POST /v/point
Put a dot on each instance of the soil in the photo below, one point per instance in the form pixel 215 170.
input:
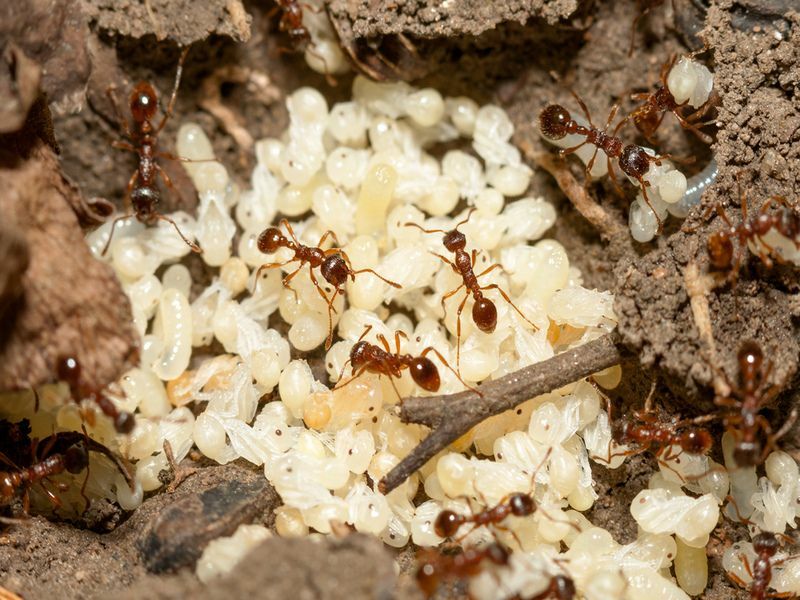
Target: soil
pixel 520 54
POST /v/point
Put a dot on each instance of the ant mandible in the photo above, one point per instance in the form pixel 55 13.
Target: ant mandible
pixel 484 312
pixel 367 357
pixel 648 116
pixel 334 264
pixel 435 568
pixel 142 191
pixel 68 370
pixel 765 545
pixel 748 397
pixel 556 122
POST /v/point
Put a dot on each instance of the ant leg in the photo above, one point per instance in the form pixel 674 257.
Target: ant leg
pixel 703 137
pixel 489 269
pixel 289 229
pixel 448 295
pixel 192 245
pixel 502 292
pixel 325 236
pixel 270 266
pixel 565 151
pixel 171 105
pixel 111 93
pixel 643 185
pixel 331 310
pixel 355 376
pixel 120 145
pixel 321 292
pixel 583 107
pixel 289 277
pixel 452 370
pixel 458 331
pixel 448 262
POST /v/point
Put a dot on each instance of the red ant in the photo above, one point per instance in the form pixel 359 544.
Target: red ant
pixel 649 115
pixel 748 398
pixel 721 252
pixel 556 122
pixel 334 264
pixel 68 370
pixel 435 568
pixel 367 357
pixel 649 431
pixel 142 190
pixel 484 312
pixel 291 23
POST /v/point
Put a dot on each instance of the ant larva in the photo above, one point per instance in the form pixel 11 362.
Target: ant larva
pixel 747 398
pixel 334 264
pixel 142 191
pixel 484 311
pixel 436 568
pixel 648 116
pixel 68 370
pixel 367 357
pixel 721 251
pixel 556 122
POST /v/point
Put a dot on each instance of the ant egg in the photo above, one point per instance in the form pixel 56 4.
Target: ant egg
pixel 425 107
pixel 691 568
pixel 369 512
pixel 144 294
pixel 493 122
pixel 608 378
pixel 743 480
pixel 564 471
pixel 582 498
pixel 374 197
pixel 489 202
pixel 463 112
pixel 294 386
pixel 317 411
pixel 269 153
pixel 442 197
pixel 690 81
pixel 478 363
pixel 289 523
pixel 143 441
pixel 209 436
pixel 510 180
pixel 308 331
pixel 294 200
pixel 346 167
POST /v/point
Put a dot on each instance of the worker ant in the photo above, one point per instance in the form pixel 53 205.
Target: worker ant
pixel 753 433
pixel 435 568
pixel 367 357
pixel 556 122
pixel 728 247
pixel 142 191
pixel 68 370
pixel 484 311
pixel 334 265
pixel 648 116
pixel 645 430
pixel 291 23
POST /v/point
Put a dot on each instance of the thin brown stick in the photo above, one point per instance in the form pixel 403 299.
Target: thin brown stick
pixel 450 416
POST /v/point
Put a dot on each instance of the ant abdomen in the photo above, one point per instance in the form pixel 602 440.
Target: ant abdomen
pixel 447 523
pixel 425 374
pixel 484 314
pixel 696 442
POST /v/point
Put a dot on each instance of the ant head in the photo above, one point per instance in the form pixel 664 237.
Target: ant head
pixel 424 373
pixel 521 505
pixel 484 314
pixel 750 358
pixel 720 250
pixel 696 441
pixel 124 422
pixel 68 369
pixel 359 354
pixel 334 269
pixel 144 102
pixel 634 161
pixel 497 553
pixel 270 240
pixel 564 587
pixel 765 543
pixel 144 200
pixel 554 122
pixel 447 523
pixel 454 240
pixel 747 453
pixel 76 458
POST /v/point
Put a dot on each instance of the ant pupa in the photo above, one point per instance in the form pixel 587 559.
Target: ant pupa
pixel 754 438
pixel 68 370
pixel 484 311
pixel 556 122
pixel 334 264
pixel 142 192
pixel 370 358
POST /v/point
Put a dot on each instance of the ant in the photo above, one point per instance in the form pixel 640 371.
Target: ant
pixel 556 122
pixel 649 431
pixel 68 370
pixel 291 23
pixel 721 252
pixel 142 190
pixel 334 264
pixel 484 312
pixel 435 568
pixel 367 357
pixel 748 397
pixel 657 104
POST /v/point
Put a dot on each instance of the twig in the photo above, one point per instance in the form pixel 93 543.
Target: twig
pixel 608 227
pixel 452 415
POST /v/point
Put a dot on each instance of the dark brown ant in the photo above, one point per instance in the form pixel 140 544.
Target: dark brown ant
pixel 648 116
pixel 484 312
pixel 556 122
pixel 728 247
pixel 367 357
pixel 436 568
pixel 753 433
pixel 142 191
pixel 765 545
pixel 68 370
pixel 334 264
